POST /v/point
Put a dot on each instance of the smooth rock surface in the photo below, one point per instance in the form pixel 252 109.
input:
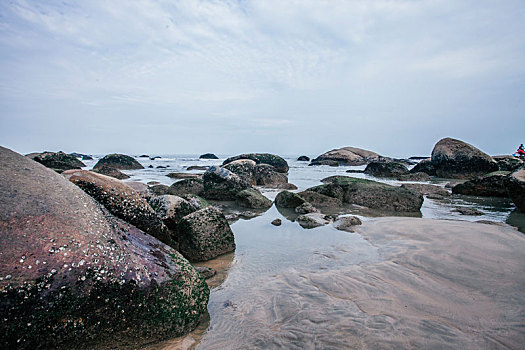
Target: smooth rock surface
pixel 348 156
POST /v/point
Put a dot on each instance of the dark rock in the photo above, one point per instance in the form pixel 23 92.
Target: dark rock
pixel 508 163
pixel 108 171
pixel 244 168
pixel 197 167
pixel 425 166
pixel 150 166
pixel 80 277
pixel 456 159
pixel 205 234
pixel 206 272
pixel 277 162
pixel 171 209
pixel 418 158
pixel 468 211
pixel 386 169
pixel 81 156
pixel 352 171
pixel 184 176
pixel 118 161
pixel 419 176
pixel 516 189
pixel 303 159
pixel 277 222
pixel 427 189
pixel 312 220
pixel 153 183
pixel 160 190
pixel 222 184
pixel 287 199
pixel 251 198
pixel 266 175
pixel 324 162
pixel 121 200
pixel 348 156
pixel 491 185
pixel 195 200
pixel 208 156
pixel 160 167
pixel 306 208
pixel 193 186
pixel 371 194
pixel 144 156
pixel 320 200
pixel 58 161
pixel 347 223
pixel 156 157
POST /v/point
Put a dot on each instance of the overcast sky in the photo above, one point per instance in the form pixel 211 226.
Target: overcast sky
pixel 287 77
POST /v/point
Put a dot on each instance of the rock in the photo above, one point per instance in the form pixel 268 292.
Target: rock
pixel 197 167
pixel 251 198
pixel 424 166
pixel 303 159
pixel 352 171
pixel 153 183
pixel 193 186
pixel 286 199
pixel 248 214
pixel 277 222
pixel 371 194
pixel 306 208
pixel 118 161
pixel 184 176
pixel 508 163
pixel 348 156
pixel 81 156
pixel 266 175
pixel 160 190
pixel 150 166
pixel 321 200
pixel 312 220
pixel 418 176
pixel 435 196
pixel 206 272
pixel 156 157
pixel 171 209
pixel 222 184
pixel 324 162
pixel 277 162
pixel 427 190
pixel 196 201
pixel 205 234
pixel 108 171
pixel 208 156
pixel 244 168
pixel 58 161
pixel 386 169
pixel 491 185
pixel 468 211
pixel 121 200
pixel 143 156
pixel 516 189
pixel 347 223
pixel 418 158
pixel 160 167
pixel 139 187
pixel 457 159
pixel 79 274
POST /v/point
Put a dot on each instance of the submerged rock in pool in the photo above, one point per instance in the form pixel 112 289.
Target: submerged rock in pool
pixel 80 277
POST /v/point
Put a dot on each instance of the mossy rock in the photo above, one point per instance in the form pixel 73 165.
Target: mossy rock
pixel 251 198
pixel 287 199
pixel 277 162
pixel 58 161
pixel 118 161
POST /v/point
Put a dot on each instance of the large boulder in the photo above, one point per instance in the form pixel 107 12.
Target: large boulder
pixel 320 200
pixel 277 162
pixel 425 166
pixel 348 156
pixel 457 159
pixel 508 163
pixel 516 189
pixel 121 200
pixel 208 156
pixel 172 208
pixel 118 161
pixel 222 184
pixel 266 176
pixel 205 234
pixel 187 186
pixel 109 171
pixel 58 161
pixel 74 276
pixel 312 220
pixel 371 194
pixel 251 198
pixel 286 199
pixel 244 168
pixel 386 169
pixel 491 185
pixel 427 189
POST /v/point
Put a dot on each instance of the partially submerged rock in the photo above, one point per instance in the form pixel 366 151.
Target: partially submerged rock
pixel 425 166
pixel 277 162
pixel 58 161
pixel 222 184
pixel 205 234
pixel 184 176
pixel 491 185
pixel 118 161
pixel 386 169
pixel 208 156
pixel 251 198
pixel 286 199
pixel 347 156
pixel 277 222
pixel 306 208
pixel 80 277
pixel 172 208
pixel 347 223
pixel 121 200
pixel 187 186
pixel 468 211
pixel 417 176
pixel 303 159
pixel 109 171
pixel 244 168
pixel 312 220
pixel 427 189
pixel 516 189
pixel 206 272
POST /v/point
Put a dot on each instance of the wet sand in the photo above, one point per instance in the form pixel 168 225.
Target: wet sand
pixel 397 283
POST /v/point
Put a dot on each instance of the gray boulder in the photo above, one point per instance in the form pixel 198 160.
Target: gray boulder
pixel 303 159
pixel 427 189
pixel 75 276
pixel 108 171
pixel 516 189
pixel 286 199
pixel 187 186
pixel 312 220
pixel 172 208
pixel 58 161
pixel 251 198
pixel 491 185
pixel 205 234
pixel 118 161
pixel 222 184
pixel 244 168
pixel 306 208
pixel 347 223
pixel 265 175
pixel 386 169
pixel 425 166
pixel 277 162
pixel 348 156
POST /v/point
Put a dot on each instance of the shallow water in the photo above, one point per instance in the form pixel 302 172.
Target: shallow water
pixel 396 283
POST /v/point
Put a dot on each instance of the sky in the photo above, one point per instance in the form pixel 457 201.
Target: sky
pixel 278 76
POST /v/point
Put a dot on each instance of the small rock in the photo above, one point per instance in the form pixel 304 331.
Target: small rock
pixel 306 208
pixel 468 211
pixel 208 156
pixel 346 223
pixel 312 220
pixel 206 272
pixel 303 159
pixel 277 222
